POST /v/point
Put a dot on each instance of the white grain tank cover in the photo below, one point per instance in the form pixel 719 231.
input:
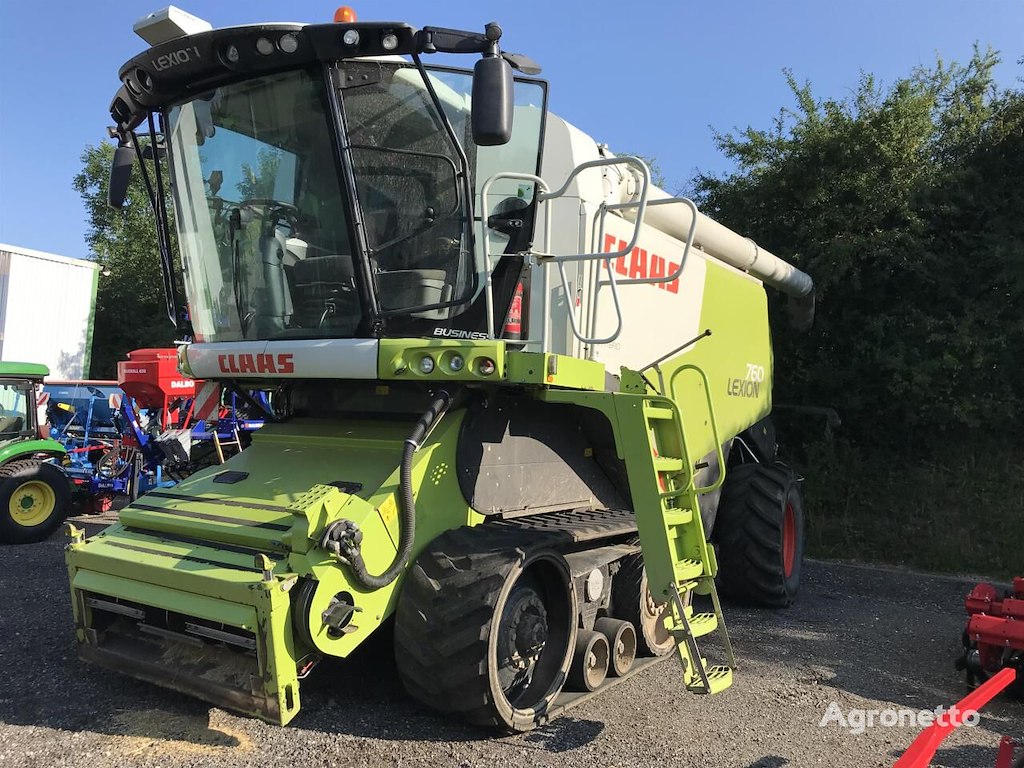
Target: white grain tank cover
pixel 716 239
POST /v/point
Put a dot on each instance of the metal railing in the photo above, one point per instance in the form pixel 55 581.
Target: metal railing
pixel 544 257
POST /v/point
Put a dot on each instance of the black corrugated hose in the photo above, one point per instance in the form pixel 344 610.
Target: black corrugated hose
pixel 346 536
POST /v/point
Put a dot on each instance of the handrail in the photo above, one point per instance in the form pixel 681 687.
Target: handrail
pixel 612 280
pixel 689 237
pixel 544 195
pixel 485 269
pixel 719 453
pixel 641 205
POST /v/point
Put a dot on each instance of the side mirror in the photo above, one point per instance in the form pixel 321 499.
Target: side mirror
pixel 492 102
pixel 120 176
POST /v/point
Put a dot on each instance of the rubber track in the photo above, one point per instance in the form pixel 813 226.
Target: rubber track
pixel 442 622
pixel 575 526
pixel 443 618
pixel 748 532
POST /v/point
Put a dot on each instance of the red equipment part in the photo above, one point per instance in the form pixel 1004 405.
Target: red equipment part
pixel 514 322
pixel 151 378
pixel 994 637
pixel 1007 749
pixel 920 753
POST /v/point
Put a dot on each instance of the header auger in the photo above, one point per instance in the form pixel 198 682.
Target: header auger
pixel 511 387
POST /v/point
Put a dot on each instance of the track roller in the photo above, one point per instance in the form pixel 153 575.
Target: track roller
pixel 621 639
pixel 590 662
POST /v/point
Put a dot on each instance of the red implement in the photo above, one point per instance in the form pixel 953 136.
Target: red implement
pixel 921 752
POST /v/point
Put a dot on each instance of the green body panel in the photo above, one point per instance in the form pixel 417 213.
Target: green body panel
pixel 736 357
pixel 201 606
pixel 547 370
pixel 211 584
pixel 278 511
pixel 20 449
pixel 13 370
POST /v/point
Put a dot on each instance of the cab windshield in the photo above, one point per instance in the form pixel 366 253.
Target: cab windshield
pixel 265 221
pixel 261 218
pixel 16 401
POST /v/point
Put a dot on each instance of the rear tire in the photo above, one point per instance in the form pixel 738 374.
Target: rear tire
pixel 485 627
pixel 632 602
pixel 34 499
pixel 759 533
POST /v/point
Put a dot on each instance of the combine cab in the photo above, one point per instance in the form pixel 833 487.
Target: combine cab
pixel 511 384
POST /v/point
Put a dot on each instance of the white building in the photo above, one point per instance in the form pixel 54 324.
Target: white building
pixel 47 306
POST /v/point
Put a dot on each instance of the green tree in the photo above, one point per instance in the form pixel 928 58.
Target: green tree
pixel 258 183
pixel 130 307
pixel 904 204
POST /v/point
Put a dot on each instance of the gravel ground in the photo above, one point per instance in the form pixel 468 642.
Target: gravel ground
pixel 865 638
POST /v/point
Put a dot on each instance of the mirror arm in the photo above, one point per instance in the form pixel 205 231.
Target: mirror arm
pixel 156 201
pixel 467 190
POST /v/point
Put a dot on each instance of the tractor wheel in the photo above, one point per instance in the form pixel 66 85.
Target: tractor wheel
pixel 34 499
pixel 759 532
pixel 632 602
pixel 485 627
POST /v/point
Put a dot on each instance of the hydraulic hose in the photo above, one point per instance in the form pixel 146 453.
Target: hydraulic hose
pixel 346 536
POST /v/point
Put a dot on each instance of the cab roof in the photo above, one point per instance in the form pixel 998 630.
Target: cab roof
pixel 10 369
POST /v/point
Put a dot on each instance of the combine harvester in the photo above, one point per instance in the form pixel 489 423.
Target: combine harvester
pixel 515 386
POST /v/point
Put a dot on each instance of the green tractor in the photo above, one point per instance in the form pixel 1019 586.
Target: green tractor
pixel 35 494
pixel 512 385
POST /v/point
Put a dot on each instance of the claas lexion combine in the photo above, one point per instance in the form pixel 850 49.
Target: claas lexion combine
pixel 520 395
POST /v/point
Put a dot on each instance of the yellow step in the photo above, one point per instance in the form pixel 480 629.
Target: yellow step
pixel 678 516
pixel 700 624
pixel 657 412
pixel 668 464
pixel 719 678
pixel 687 570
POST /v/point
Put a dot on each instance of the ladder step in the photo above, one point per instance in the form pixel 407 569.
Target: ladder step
pixel 719 678
pixel 686 570
pixel 657 412
pixel 678 516
pixel 668 464
pixel 700 624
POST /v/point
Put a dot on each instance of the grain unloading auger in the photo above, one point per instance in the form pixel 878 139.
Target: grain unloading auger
pixel 499 445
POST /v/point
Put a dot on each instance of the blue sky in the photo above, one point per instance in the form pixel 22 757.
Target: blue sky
pixel 653 78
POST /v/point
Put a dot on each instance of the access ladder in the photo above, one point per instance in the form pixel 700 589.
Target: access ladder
pixel 677 556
